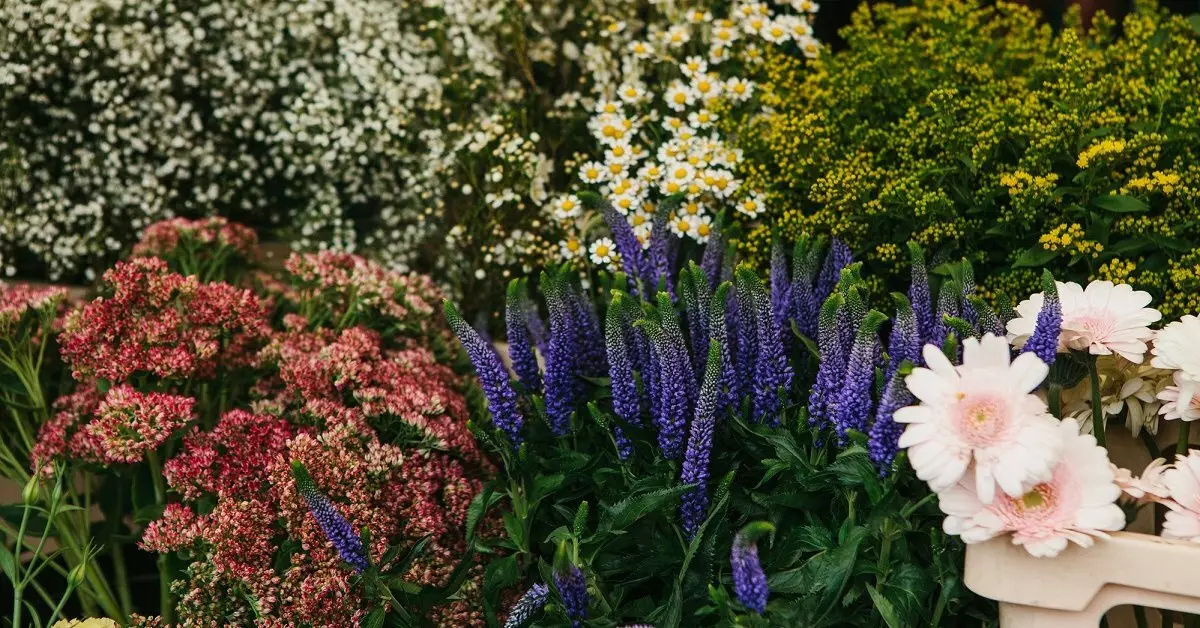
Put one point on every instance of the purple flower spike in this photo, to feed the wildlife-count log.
(628, 247)
(854, 399)
(671, 394)
(918, 292)
(832, 364)
(1044, 341)
(572, 587)
(493, 378)
(696, 296)
(694, 508)
(780, 285)
(560, 357)
(339, 531)
(658, 266)
(947, 306)
(885, 432)
(626, 404)
(839, 257)
(728, 397)
(520, 342)
(749, 581)
(528, 606)
(746, 337)
(714, 253)
(804, 306)
(590, 360)
(772, 373)
(968, 290)
(669, 319)
(905, 341)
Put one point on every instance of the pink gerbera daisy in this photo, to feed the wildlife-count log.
(1075, 504)
(979, 412)
(1183, 486)
(1102, 319)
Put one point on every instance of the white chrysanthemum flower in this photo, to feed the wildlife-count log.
(683, 225)
(567, 207)
(706, 87)
(797, 26)
(751, 205)
(702, 230)
(620, 152)
(717, 54)
(678, 176)
(1102, 319)
(571, 248)
(641, 49)
(810, 47)
(626, 203)
(603, 252)
(721, 182)
(1177, 403)
(981, 412)
(614, 27)
(650, 173)
(593, 172)
(739, 89)
(1183, 489)
(1076, 503)
(693, 207)
(702, 119)
(632, 93)
(805, 6)
(693, 66)
(679, 96)
(699, 16)
(608, 107)
(621, 185)
(677, 36)
(775, 31)
(1175, 348)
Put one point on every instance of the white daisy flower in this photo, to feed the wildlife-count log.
(693, 66)
(1103, 319)
(650, 173)
(810, 47)
(571, 248)
(603, 252)
(699, 16)
(1075, 503)
(682, 225)
(717, 54)
(631, 93)
(980, 412)
(641, 49)
(739, 89)
(706, 86)
(676, 36)
(608, 107)
(702, 119)
(720, 181)
(703, 229)
(679, 96)
(593, 172)
(567, 207)
(626, 203)
(751, 206)
(774, 31)
(678, 175)
(805, 6)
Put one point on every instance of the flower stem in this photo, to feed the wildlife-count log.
(166, 605)
(1181, 445)
(1097, 408)
(118, 557)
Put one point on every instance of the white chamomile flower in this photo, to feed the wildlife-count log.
(672, 124)
(603, 252)
(679, 96)
(631, 93)
(626, 203)
(621, 185)
(702, 119)
(620, 152)
(1075, 503)
(739, 89)
(610, 107)
(774, 31)
(706, 86)
(615, 27)
(643, 233)
(810, 47)
(641, 49)
(567, 207)
(679, 175)
(721, 182)
(724, 35)
(571, 248)
(717, 54)
(693, 66)
(692, 208)
(797, 26)
(650, 173)
(805, 6)
(677, 36)
(683, 225)
(703, 229)
(593, 172)
(699, 16)
(1102, 319)
(751, 206)
(754, 24)
(980, 414)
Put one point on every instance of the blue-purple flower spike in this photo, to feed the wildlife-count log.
(590, 360)
(633, 257)
(854, 399)
(804, 306)
(918, 292)
(781, 285)
(520, 341)
(528, 606)
(839, 257)
(885, 432)
(626, 404)
(559, 378)
(493, 377)
(658, 265)
(694, 508)
(1044, 341)
(905, 340)
(572, 587)
(746, 336)
(714, 254)
(831, 367)
(968, 290)
(339, 531)
(696, 294)
(947, 306)
(669, 319)
(749, 580)
(772, 372)
(671, 402)
(728, 395)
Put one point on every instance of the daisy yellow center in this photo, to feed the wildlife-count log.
(703, 86)
(683, 225)
(776, 31)
(680, 98)
(602, 251)
(568, 205)
(681, 173)
(610, 108)
(572, 245)
(703, 229)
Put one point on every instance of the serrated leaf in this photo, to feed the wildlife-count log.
(885, 608)
(853, 467)
(627, 511)
(374, 619)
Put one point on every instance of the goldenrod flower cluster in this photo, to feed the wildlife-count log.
(980, 130)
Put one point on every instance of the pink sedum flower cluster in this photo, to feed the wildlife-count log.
(165, 238)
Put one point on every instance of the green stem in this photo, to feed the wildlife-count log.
(1097, 408)
(121, 573)
(911, 508)
(167, 606)
(17, 581)
(1181, 445)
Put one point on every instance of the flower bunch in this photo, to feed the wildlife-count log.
(658, 417)
(1104, 185)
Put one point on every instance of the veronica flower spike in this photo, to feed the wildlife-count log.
(571, 585)
(339, 531)
(749, 580)
(493, 377)
(695, 461)
(520, 340)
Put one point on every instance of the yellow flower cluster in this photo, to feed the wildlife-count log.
(1103, 148)
(1070, 238)
(980, 130)
(1157, 181)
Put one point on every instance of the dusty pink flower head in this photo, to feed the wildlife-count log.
(129, 424)
(1182, 481)
(1102, 319)
(1075, 504)
(162, 323)
(176, 530)
(163, 238)
(19, 299)
(1146, 488)
(61, 436)
(231, 458)
(982, 414)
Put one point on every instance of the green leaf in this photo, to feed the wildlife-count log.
(853, 467)
(478, 509)
(1033, 257)
(806, 341)
(885, 608)
(8, 563)
(627, 511)
(515, 529)
(1121, 204)
(374, 619)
